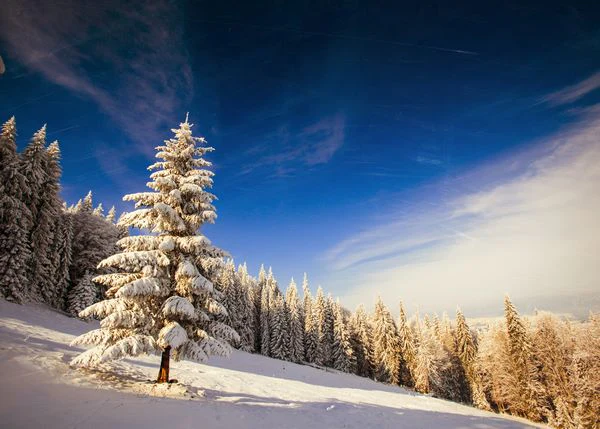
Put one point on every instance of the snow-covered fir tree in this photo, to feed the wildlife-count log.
(82, 295)
(15, 219)
(527, 400)
(585, 369)
(296, 320)
(467, 353)
(311, 331)
(246, 299)
(55, 287)
(279, 329)
(327, 329)
(343, 358)
(34, 160)
(266, 313)
(324, 325)
(438, 366)
(314, 351)
(554, 342)
(407, 349)
(93, 239)
(491, 364)
(62, 251)
(77, 207)
(311, 335)
(162, 300)
(426, 372)
(361, 340)
(386, 345)
(99, 210)
(228, 283)
(257, 300)
(87, 204)
(112, 215)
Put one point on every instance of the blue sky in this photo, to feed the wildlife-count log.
(344, 135)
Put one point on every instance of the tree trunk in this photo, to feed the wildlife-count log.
(163, 372)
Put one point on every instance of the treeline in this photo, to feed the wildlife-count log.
(543, 368)
(48, 251)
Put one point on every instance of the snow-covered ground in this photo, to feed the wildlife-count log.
(39, 389)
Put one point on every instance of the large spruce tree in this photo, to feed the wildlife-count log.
(162, 299)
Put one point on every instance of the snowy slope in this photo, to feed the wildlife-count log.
(39, 389)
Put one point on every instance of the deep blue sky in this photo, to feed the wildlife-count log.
(324, 115)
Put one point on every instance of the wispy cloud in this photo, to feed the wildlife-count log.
(128, 57)
(285, 150)
(525, 225)
(574, 92)
(421, 159)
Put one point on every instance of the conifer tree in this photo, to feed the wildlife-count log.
(257, 300)
(314, 351)
(311, 335)
(490, 364)
(526, 400)
(227, 282)
(280, 329)
(312, 346)
(554, 344)
(436, 371)
(407, 350)
(247, 288)
(88, 205)
(78, 207)
(262, 274)
(93, 239)
(324, 323)
(162, 300)
(296, 330)
(62, 251)
(386, 345)
(467, 353)
(343, 358)
(99, 210)
(82, 295)
(328, 329)
(426, 370)
(267, 313)
(112, 215)
(15, 219)
(34, 160)
(54, 287)
(361, 340)
(586, 374)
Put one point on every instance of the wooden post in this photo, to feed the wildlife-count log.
(163, 372)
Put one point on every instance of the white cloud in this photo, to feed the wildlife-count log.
(527, 225)
(574, 92)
